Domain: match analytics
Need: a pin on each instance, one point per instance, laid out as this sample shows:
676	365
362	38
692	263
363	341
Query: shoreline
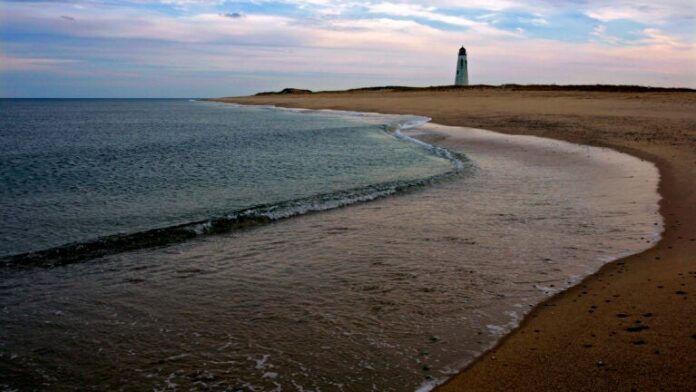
583	338
656	237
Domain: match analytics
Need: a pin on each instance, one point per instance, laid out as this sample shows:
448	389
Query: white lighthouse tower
462	78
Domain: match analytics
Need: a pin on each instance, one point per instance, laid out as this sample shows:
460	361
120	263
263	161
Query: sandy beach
630	326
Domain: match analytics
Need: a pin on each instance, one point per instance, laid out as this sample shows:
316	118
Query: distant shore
632	324
605	88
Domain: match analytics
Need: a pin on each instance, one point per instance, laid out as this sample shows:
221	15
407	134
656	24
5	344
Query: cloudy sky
208	48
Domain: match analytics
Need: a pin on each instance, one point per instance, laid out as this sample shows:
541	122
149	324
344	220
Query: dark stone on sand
621	315
680	292
639	342
647	314
637	328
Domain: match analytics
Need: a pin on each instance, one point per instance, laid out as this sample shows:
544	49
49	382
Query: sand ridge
630	326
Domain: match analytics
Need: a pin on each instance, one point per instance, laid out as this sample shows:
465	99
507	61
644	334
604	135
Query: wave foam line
455	158
238	220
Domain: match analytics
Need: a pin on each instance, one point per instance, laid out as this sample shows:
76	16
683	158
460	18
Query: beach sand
631	325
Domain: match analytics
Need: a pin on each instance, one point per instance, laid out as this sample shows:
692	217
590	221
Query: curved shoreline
582	338
546	302
448	139
462	381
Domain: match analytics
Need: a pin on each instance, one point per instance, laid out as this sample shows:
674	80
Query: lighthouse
462	78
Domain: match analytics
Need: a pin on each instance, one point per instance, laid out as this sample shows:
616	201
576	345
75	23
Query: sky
212	48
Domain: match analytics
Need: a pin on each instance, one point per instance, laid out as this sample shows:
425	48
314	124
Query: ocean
326	251
89	172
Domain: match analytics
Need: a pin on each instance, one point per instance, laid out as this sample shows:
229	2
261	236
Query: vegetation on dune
512	87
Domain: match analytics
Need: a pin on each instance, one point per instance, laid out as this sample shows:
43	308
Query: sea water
394	294
81	171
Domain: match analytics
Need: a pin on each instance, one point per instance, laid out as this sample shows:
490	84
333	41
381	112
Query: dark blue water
73	171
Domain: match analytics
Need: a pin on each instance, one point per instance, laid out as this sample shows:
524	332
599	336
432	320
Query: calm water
78	170
389	295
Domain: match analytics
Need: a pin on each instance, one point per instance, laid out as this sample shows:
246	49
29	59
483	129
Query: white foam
261	363
439	151
429	385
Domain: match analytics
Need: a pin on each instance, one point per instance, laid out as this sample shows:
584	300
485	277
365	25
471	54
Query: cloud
419	11
15	64
600	33
136	24
325	44
539	22
432	14
649	12
189	2
655	37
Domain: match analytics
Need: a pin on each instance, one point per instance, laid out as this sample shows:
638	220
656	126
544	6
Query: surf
259	213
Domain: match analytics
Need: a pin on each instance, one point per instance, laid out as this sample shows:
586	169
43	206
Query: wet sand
631	325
